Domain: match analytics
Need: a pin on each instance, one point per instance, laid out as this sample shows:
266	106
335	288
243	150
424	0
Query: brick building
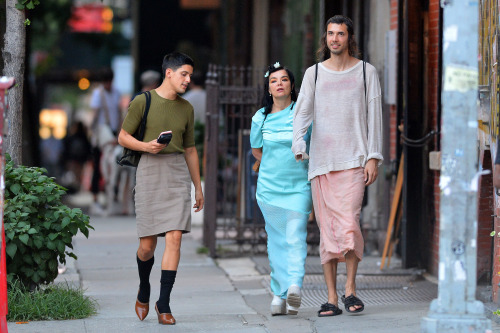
488	119
418	109
403	40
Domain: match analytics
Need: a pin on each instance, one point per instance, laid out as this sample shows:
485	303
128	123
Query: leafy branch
27	4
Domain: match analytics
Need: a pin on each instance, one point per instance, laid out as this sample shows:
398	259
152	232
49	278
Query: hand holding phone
164	137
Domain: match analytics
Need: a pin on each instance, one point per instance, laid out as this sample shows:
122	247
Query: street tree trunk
14	56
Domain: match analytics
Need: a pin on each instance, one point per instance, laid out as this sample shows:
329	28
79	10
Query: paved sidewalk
226	295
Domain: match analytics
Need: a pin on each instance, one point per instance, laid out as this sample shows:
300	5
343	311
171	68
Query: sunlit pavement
224	295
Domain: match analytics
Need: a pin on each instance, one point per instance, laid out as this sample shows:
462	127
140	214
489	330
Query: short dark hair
106	74
267	101
197	78
174	61
323	52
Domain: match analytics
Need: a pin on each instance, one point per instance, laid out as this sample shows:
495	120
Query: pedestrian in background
105	102
76	152
342	94
197	96
163	187
150	80
283	191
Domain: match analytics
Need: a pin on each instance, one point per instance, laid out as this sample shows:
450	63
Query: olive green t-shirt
164	115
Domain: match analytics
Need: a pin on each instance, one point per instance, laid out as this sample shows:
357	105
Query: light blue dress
284	197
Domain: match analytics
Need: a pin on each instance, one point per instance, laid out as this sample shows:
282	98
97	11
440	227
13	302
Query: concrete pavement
223	295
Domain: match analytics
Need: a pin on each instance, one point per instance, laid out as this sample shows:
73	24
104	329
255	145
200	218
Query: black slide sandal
329	307
352	301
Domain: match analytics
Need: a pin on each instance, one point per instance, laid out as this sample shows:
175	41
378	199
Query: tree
50	19
14	53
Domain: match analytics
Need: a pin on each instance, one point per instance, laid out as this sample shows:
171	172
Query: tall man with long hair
341	97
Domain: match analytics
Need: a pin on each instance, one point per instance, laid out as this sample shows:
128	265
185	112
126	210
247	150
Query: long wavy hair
323	51
267	100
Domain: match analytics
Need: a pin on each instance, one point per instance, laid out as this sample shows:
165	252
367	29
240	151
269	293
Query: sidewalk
225	295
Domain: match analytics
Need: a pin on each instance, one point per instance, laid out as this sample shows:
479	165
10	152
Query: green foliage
55	302
49	23
27	4
38	227
202	250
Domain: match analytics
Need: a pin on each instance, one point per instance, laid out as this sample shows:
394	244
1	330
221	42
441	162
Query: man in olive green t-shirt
168	112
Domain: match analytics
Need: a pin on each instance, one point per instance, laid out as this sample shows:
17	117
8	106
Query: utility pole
456	308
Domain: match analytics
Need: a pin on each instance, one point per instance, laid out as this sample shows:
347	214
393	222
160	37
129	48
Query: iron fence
233	223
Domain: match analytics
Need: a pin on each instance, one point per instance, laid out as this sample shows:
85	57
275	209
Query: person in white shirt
342	99
105	102
197	96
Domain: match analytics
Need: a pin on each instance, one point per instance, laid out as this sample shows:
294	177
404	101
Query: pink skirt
337	198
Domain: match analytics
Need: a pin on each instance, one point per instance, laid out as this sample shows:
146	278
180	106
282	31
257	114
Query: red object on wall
5	83
91	18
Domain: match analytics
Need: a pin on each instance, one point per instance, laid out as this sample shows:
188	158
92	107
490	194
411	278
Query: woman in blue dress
283	191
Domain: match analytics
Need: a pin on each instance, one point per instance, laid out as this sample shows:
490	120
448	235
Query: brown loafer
165	318
142	309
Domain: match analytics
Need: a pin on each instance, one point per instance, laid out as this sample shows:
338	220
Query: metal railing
233	223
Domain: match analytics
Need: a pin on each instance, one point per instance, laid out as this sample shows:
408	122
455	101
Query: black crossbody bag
131	157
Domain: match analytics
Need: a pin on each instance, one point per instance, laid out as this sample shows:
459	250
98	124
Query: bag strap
364	80
316	75
315	79
142	126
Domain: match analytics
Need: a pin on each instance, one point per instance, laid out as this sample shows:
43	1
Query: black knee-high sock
166	283
144	272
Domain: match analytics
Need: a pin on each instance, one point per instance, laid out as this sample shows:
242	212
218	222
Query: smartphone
164	137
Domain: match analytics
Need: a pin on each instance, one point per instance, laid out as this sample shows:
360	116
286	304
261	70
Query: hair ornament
277	64
267	74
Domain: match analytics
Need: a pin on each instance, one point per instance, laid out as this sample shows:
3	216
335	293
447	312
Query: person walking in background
105	102
163	189
283	191
197	96
342	95
150	80
76	152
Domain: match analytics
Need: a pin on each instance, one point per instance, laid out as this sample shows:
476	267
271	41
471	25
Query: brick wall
484	222
489	203
433	87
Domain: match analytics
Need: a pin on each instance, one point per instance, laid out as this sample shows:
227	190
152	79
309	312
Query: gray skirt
162	195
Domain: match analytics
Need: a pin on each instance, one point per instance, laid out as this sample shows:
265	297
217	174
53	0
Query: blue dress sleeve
256	140
307	137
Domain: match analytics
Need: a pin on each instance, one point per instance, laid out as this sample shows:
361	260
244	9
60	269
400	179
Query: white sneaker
278	306
293	299
97	210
